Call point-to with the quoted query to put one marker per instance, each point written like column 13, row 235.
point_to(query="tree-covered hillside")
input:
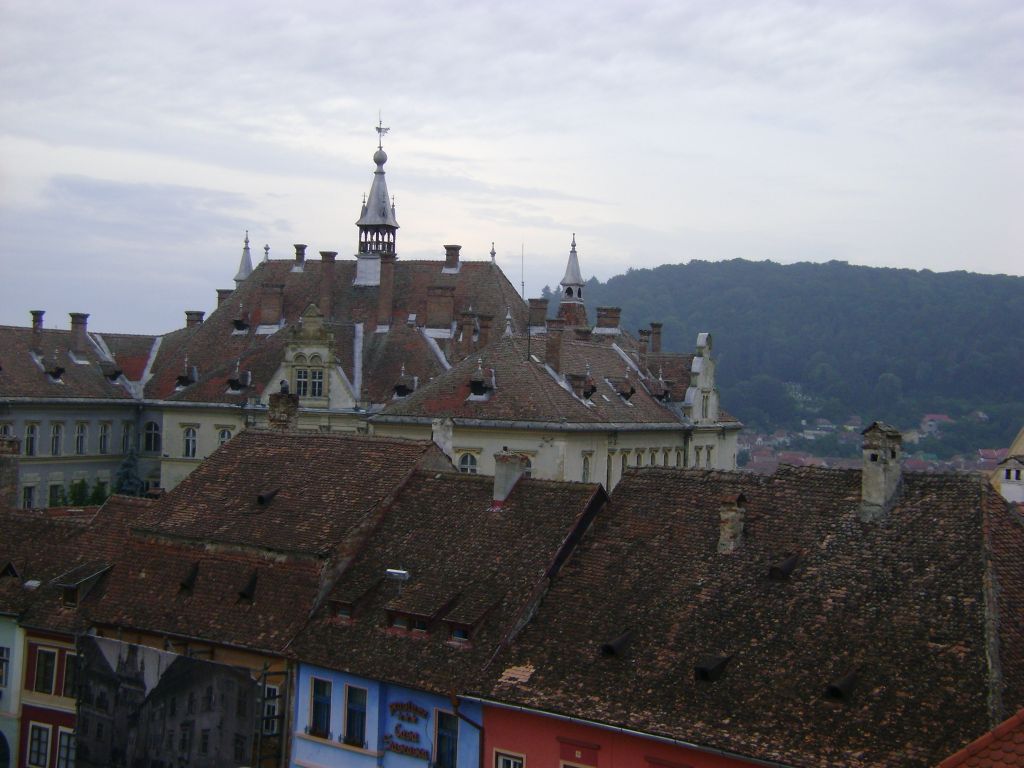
column 882, row 343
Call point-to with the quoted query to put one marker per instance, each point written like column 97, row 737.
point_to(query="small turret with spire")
column 377, row 224
column 245, row 266
column 571, row 309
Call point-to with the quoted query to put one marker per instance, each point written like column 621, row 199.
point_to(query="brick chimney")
column 486, row 321
column 327, row 283
column 656, row 338
column 508, row 468
column 194, row 317
column 881, row 473
column 451, row 258
column 583, row 334
column 79, row 332
column 37, row 330
column 284, row 410
column 608, row 317
column 466, row 323
column 223, row 294
column 553, row 347
column 271, row 303
column 538, row 312
column 732, row 518
column 440, row 306
column 10, row 448
column 645, row 339
column 300, row 257
column 386, row 291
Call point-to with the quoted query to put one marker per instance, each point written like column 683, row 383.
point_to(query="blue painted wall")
column 400, row 725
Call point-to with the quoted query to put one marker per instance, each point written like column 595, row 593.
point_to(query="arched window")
column 104, row 438
column 625, row 463
column 81, row 433
column 301, row 376
column 316, row 377
column 467, row 464
column 586, row 469
column 189, row 449
column 654, row 457
column 151, row 437
column 126, row 437
column 56, row 439
column 31, row 435
column 679, row 458
column 223, row 436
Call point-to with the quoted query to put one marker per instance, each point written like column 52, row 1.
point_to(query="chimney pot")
column 553, row 345
column 508, row 468
column 300, row 254
column 881, row 473
column 79, row 332
column 451, row 257
column 194, row 317
column 37, row 319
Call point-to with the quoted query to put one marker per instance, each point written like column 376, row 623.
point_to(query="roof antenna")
column 381, row 131
column 522, row 270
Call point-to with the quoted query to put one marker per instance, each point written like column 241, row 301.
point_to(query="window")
column 126, row 437
column 56, row 439
column 81, row 436
column 654, row 457
column 586, row 469
column 46, row 666
column 1008, row 474
column 223, row 436
column 505, row 760
column 301, row 382
column 151, row 439
column 625, row 462
column 5, row 664
column 459, row 634
column 191, row 702
column 467, row 464
column 527, row 467
column 65, row 749
column 640, row 457
column 704, row 405
column 270, row 697
column 28, row 497
column 104, row 438
column 316, row 382
column 70, row 675
column 189, row 448
column 208, row 699
column 38, row 745
column 608, row 473
column 185, row 739
column 204, row 741
column 447, row 740
column 355, row 716
column 320, row 717
column 708, row 450
column 56, row 495
column 31, row 435
column 5, row 429
column 679, row 458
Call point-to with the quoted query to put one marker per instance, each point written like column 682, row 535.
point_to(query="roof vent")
column 397, row 574
column 263, row 499
column 240, row 381
column 619, row 645
column 189, row 582
column 479, row 386
column 625, row 387
column 240, row 322
column 710, row 668
column 781, row 571
column 111, row 370
column 191, row 376
column 53, row 367
column 841, row 689
column 248, row 592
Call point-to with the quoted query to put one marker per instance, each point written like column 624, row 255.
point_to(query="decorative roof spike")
column 266, row 252
column 573, row 278
column 493, row 254
column 508, row 321
column 245, row 265
column 378, row 210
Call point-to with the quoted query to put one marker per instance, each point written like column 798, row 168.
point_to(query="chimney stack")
column 538, row 312
column 79, row 332
column 283, row 413
column 10, row 448
column 508, row 468
column 37, row 330
column 223, row 294
column 608, row 318
column 583, row 334
column 466, row 323
column 300, row 257
column 451, row 258
column 440, row 306
column 271, row 303
column 386, row 290
column 442, row 433
column 327, row 284
column 732, row 518
column 553, row 347
column 486, row 321
column 656, row 338
column 194, row 317
column 645, row 338
column 881, row 473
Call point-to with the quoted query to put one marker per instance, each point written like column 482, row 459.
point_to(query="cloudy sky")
column 138, row 141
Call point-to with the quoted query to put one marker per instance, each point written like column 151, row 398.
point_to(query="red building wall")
column 46, row 717
column 548, row 742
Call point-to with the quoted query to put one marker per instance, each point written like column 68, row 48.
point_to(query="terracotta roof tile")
column 1002, row 747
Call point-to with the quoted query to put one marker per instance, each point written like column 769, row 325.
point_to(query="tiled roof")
column 528, row 391
column 323, row 486
column 132, row 352
column 23, row 374
column 1002, row 747
column 900, row 603
column 467, row 563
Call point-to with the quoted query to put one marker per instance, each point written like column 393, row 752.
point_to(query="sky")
column 140, row 141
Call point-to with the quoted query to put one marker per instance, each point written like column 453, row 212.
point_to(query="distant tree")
column 99, row 493
column 127, row 480
column 78, row 493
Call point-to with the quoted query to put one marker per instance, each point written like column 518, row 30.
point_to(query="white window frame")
column 53, row 675
column 104, row 439
column 504, row 758
column 57, row 438
column 270, row 727
column 224, row 434
column 468, row 464
column 62, row 759
column 190, row 442
column 81, row 438
column 32, row 726
column 5, row 665
column 31, row 447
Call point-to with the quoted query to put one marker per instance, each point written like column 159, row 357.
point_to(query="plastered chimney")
column 443, row 434
column 300, row 257
column 508, row 468
column 645, row 339
column 486, row 322
column 732, row 519
column 440, row 306
column 538, row 312
column 466, row 323
column 37, row 330
column 327, row 283
column 283, row 412
column 881, row 474
column 79, row 332
column 194, row 317
column 553, row 344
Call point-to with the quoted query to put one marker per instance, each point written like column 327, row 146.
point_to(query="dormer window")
column 467, row 464
column 341, row 609
column 458, row 633
column 309, row 376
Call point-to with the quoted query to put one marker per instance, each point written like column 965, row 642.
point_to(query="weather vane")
column 381, row 131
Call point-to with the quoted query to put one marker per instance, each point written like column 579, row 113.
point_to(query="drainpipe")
column 479, row 726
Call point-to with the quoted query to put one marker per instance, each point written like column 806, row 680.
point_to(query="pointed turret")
column 572, row 309
column 245, row 266
column 377, row 223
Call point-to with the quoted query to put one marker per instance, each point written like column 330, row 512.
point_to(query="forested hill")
column 882, row 343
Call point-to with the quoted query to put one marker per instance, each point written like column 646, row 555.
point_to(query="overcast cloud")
column 138, row 141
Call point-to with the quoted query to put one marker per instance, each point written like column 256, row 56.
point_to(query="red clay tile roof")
column 131, row 352
column 325, row 485
column 1002, row 747
column 466, row 562
column 901, row 602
